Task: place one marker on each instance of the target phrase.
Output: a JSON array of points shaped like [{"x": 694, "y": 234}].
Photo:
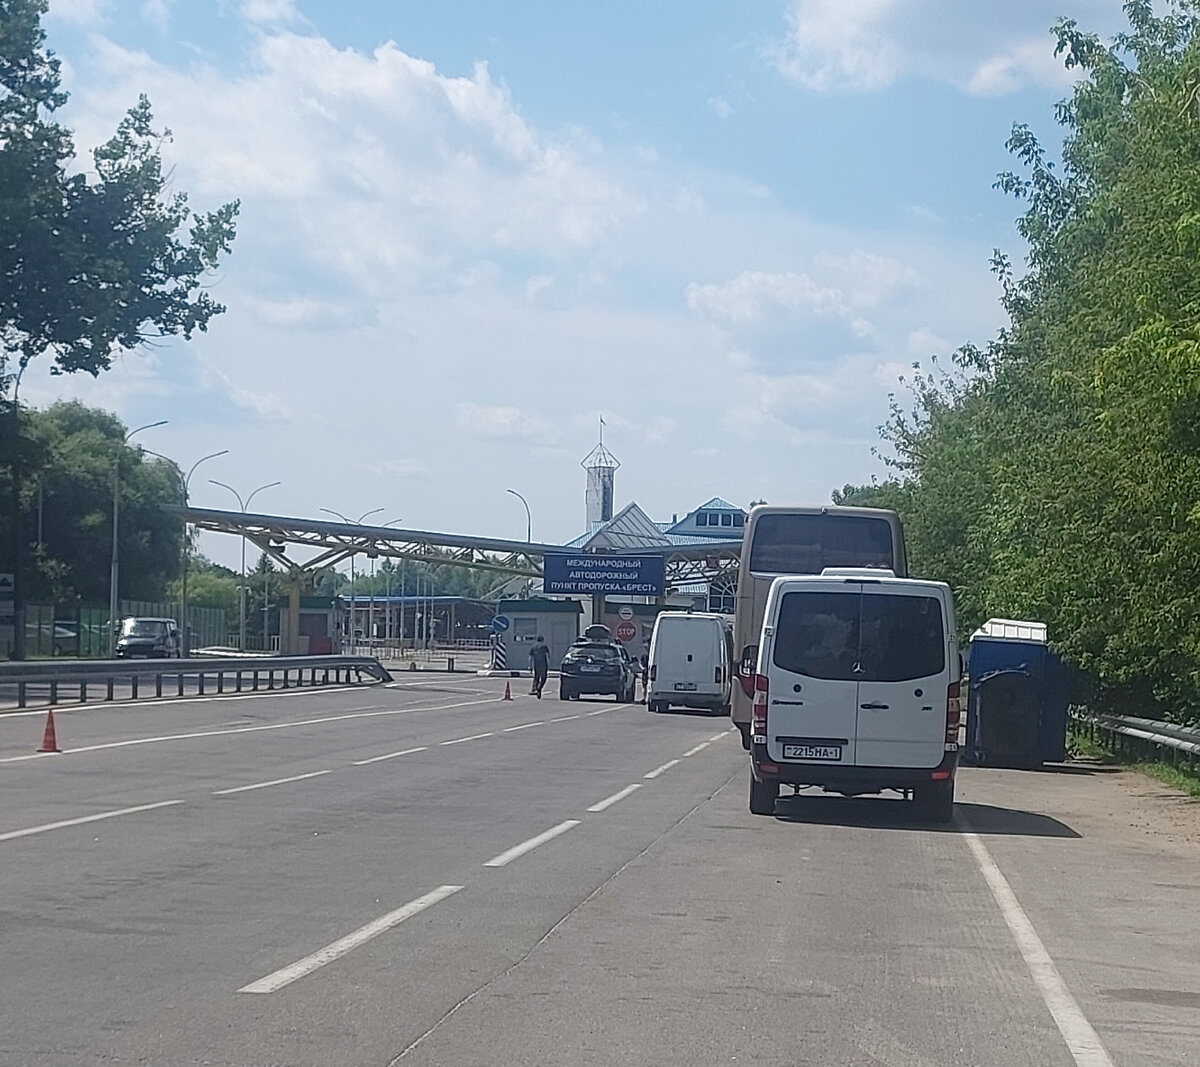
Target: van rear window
[
  {"x": 807, "y": 544},
  {"x": 854, "y": 637}
]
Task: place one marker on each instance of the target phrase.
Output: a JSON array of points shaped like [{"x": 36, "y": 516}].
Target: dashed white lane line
[
  {"x": 523, "y": 726},
  {"x": 12, "y": 835},
  {"x": 1082, "y": 1041},
  {"x": 659, "y": 770},
  {"x": 460, "y": 740},
  {"x": 390, "y": 755},
  {"x": 605, "y": 711},
  {"x": 275, "y": 981},
  {"x": 370, "y": 712},
  {"x": 717, "y": 737},
  {"x": 264, "y": 785},
  {"x": 565, "y": 718},
  {"x": 699, "y": 748},
  {"x": 608, "y": 802},
  {"x": 528, "y": 846}
]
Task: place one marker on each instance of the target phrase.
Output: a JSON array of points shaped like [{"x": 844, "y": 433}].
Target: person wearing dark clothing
[{"x": 539, "y": 658}]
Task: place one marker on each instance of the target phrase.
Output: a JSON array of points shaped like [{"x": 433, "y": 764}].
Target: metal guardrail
[
  {"x": 222, "y": 675},
  {"x": 1132, "y": 736}
]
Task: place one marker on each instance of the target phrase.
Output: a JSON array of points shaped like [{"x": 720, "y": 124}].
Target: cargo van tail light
[
  {"x": 758, "y": 714},
  {"x": 952, "y": 714},
  {"x": 717, "y": 676},
  {"x": 654, "y": 672}
]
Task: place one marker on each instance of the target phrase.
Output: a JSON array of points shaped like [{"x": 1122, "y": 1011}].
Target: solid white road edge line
[
  {"x": 699, "y": 748},
  {"x": 275, "y": 981},
  {"x": 12, "y": 835},
  {"x": 390, "y": 755},
  {"x": 263, "y": 785},
  {"x": 460, "y": 740},
  {"x": 659, "y": 770},
  {"x": 158, "y": 702},
  {"x": 523, "y": 726},
  {"x": 608, "y": 802},
  {"x": 528, "y": 846},
  {"x": 362, "y": 713},
  {"x": 565, "y": 718},
  {"x": 1082, "y": 1041}
]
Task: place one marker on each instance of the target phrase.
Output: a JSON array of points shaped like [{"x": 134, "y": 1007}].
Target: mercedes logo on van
[{"x": 857, "y": 668}]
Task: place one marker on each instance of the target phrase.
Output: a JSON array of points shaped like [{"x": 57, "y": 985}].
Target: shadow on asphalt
[{"x": 886, "y": 814}]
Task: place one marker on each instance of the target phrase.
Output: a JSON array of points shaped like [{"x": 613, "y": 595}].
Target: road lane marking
[
  {"x": 717, "y": 737},
  {"x": 659, "y": 770},
  {"x": 565, "y": 718},
  {"x": 275, "y": 981},
  {"x": 523, "y": 726},
  {"x": 699, "y": 748},
  {"x": 1082, "y": 1041},
  {"x": 12, "y": 835},
  {"x": 608, "y": 802},
  {"x": 460, "y": 740},
  {"x": 123, "y": 703},
  {"x": 528, "y": 846},
  {"x": 605, "y": 711},
  {"x": 263, "y": 785},
  {"x": 390, "y": 755},
  {"x": 361, "y": 713}
]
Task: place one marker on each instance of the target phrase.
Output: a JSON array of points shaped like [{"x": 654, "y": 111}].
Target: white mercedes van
[
  {"x": 857, "y": 689},
  {"x": 690, "y": 662}
]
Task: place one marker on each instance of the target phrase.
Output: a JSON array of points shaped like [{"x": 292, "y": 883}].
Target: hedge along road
[{"x": 479, "y": 882}]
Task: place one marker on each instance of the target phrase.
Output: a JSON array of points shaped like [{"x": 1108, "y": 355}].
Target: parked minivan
[
  {"x": 690, "y": 662},
  {"x": 857, "y": 689}
]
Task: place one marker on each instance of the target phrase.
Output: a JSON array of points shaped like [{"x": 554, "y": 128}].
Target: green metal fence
[{"x": 82, "y": 632}]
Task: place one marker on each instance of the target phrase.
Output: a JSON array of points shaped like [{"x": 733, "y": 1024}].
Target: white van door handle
[{"x": 874, "y": 707}]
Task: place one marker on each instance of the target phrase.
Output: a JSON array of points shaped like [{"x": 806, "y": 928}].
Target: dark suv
[{"x": 599, "y": 667}]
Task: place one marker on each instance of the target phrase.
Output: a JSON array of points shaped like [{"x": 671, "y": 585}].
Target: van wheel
[
  {"x": 763, "y": 796},
  {"x": 935, "y": 801}
]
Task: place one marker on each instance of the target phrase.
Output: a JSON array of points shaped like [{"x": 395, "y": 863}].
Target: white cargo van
[
  {"x": 857, "y": 689},
  {"x": 690, "y": 662}
]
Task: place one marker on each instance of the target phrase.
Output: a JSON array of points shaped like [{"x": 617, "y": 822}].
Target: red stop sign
[{"x": 626, "y": 631}]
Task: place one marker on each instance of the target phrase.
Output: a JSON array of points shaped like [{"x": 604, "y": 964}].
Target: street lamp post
[
  {"x": 113, "y": 575},
  {"x": 242, "y": 588},
  {"x": 528, "y": 517},
  {"x": 351, "y": 522}
]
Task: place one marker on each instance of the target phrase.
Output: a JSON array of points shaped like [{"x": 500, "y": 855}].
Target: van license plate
[
  {"x": 685, "y": 685},
  {"x": 821, "y": 752}
]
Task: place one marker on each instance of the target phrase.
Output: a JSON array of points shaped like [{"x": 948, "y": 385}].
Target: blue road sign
[
  {"x": 500, "y": 623},
  {"x": 583, "y": 573}
]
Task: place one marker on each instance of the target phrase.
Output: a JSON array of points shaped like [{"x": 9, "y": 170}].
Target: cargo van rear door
[
  {"x": 905, "y": 675},
  {"x": 812, "y": 685}
]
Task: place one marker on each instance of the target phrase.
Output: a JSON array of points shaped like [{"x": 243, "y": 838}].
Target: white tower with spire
[{"x": 601, "y": 466}]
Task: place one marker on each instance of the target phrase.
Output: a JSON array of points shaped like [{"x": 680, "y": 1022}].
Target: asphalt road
[{"x": 425, "y": 874}]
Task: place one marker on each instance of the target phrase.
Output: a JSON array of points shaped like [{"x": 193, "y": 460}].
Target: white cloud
[
  {"x": 158, "y": 13},
  {"x": 270, "y": 12},
  {"x": 754, "y": 294},
  {"x": 499, "y": 422},
  {"x": 720, "y": 107},
  {"x": 924, "y": 342},
  {"x": 405, "y": 467},
  {"x": 985, "y": 49},
  {"x": 78, "y": 12}
]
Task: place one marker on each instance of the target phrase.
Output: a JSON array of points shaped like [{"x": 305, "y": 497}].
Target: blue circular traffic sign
[{"x": 500, "y": 623}]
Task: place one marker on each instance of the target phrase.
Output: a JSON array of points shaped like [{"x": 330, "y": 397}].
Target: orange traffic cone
[
  {"x": 507, "y": 691},
  {"x": 49, "y": 741}
]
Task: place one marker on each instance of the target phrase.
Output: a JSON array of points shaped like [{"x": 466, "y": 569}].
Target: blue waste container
[{"x": 1017, "y": 697}]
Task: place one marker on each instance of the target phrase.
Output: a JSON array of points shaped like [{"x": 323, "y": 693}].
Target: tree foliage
[
  {"x": 88, "y": 267},
  {"x": 1055, "y": 475}
]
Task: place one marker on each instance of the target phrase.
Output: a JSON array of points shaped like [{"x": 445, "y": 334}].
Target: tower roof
[{"x": 600, "y": 458}]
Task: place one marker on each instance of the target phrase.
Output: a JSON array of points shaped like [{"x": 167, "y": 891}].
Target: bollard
[{"x": 450, "y": 664}]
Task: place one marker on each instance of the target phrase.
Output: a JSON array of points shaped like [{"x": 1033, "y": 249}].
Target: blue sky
[{"x": 469, "y": 228}]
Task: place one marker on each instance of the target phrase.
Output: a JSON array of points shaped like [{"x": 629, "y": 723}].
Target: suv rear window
[
  {"x": 807, "y": 544},
  {"x": 877, "y": 637},
  {"x": 593, "y": 652}
]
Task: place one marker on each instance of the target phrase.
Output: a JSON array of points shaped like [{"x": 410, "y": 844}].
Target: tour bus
[{"x": 795, "y": 540}]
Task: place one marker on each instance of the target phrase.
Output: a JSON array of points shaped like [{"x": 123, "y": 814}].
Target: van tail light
[
  {"x": 953, "y": 713},
  {"x": 717, "y": 676},
  {"x": 758, "y": 714},
  {"x": 654, "y": 672}
]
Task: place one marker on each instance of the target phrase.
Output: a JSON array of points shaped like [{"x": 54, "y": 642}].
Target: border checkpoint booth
[
  {"x": 1017, "y": 697},
  {"x": 555, "y": 620}
]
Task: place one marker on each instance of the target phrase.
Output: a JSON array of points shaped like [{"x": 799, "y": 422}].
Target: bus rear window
[{"x": 807, "y": 544}]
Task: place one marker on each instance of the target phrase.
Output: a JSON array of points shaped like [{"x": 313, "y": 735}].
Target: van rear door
[
  {"x": 904, "y": 679},
  {"x": 812, "y": 685}
]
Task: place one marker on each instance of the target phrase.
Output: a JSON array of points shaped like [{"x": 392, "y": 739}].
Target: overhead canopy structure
[{"x": 333, "y": 542}]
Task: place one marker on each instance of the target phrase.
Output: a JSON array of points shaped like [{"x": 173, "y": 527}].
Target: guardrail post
[
  {"x": 270, "y": 679},
  {"x": 53, "y": 692},
  {"x": 83, "y": 691},
  {"x": 110, "y": 688},
  {"x": 179, "y": 681},
  {"x": 20, "y": 694},
  {"x": 200, "y": 682},
  {"x": 133, "y": 686},
  {"x": 158, "y": 685},
  {"x": 238, "y": 682},
  {"x": 220, "y": 681},
  {"x": 254, "y": 684}
]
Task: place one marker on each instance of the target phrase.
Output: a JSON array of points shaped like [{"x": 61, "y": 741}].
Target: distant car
[
  {"x": 66, "y": 637},
  {"x": 152, "y": 638},
  {"x": 597, "y": 667}
]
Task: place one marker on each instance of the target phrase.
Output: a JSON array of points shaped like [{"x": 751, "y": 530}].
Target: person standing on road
[
  {"x": 539, "y": 659},
  {"x": 644, "y": 665}
]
